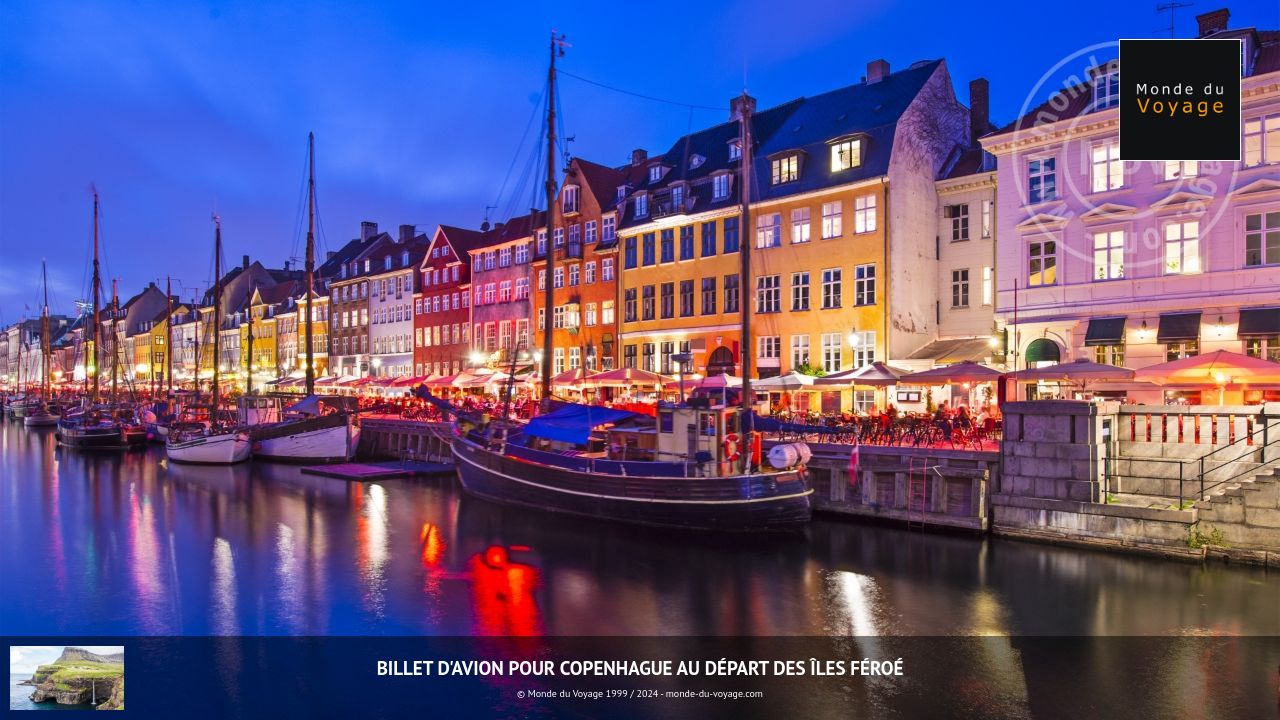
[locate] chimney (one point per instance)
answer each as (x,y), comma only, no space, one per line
(330,254)
(877,70)
(286,265)
(368,229)
(244,261)
(1213,22)
(638,156)
(484,226)
(406,233)
(979,109)
(738,103)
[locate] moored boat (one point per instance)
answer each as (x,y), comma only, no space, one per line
(41,416)
(315,429)
(199,445)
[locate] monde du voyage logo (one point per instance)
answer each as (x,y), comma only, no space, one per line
(1180,100)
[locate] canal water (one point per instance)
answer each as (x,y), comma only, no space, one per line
(127,544)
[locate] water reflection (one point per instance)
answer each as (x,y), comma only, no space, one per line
(129,544)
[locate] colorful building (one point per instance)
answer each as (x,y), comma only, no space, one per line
(1138,263)
(349,305)
(442,305)
(501,279)
(391,293)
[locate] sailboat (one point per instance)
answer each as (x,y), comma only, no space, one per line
(315,429)
(41,414)
(213,443)
(694,468)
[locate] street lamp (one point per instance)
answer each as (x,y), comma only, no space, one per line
(682,360)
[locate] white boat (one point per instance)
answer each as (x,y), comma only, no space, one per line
(40,416)
(323,439)
(208,447)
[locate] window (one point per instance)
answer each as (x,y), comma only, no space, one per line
(988,209)
(489,260)
(1267,348)
(575,239)
(629,252)
(1106,90)
(1108,255)
(1105,166)
(864,347)
(558,360)
(846,154)
(686,298)
(668,300)
(655,173)
(1262,239)
(668,245)
(959,217)
(646,362)
(831,286)
(864,400)
(785,169)
(629,356)
(1042,263)
(606,270)
(731,295)
(960,288)
(1179,169)
(647,302)
(768,346)
(589,317)
(800,225)
(569,202)
(799,291)
(735,150)
(607,229)
(988,285)
(864,285)
(1042,180)
(832,353)
(649,257)
(504,257)
(542,279)
(864,214)
(768,230)
(558,238)
(642,205)
(606,312)
(629,305)
(575,357)
(677,198)
(831,220)
(768,294)
(591,231)
(542,242)
(1262,140)
(720,186)
(730,235)
(666,350)
(504,291)
(1178,350)
(1182,248)
(575,274)
(709,296)
(799,351)
(589,274)
(1109,354)
(557,277)
(686,242)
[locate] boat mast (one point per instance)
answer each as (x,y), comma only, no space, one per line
(248,376)
(744,286)
(311,258)
(115,336)
(44,334)
(95,328)
(168,336)
(557,47)
(217,310)
(195,350)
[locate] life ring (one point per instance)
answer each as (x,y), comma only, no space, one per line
(731,446)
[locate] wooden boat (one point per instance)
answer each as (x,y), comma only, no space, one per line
(98,429)
(315,429)
(41,416)
(199,445)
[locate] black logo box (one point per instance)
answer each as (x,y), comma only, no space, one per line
(1191,65)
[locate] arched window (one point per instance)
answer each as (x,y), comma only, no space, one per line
(1043,350)
(721,361)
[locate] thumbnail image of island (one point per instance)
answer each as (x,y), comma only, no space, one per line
(53,677)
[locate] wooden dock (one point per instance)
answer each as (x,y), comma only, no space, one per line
(365,472)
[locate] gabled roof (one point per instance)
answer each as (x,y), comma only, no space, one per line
(602,181)
(461,240)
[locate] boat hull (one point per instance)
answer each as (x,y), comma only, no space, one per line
(318,440)
(766,501)
(92,438)
(225,449)
(40,420)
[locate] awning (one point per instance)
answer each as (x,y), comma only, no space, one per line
(1259,322)
(1177,327)
(954,350)
(1105,331)
(1043,350)
(573,423)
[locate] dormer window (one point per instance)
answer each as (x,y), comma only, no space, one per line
(695,161)
(735,150)
(404,259)
(386,263)
(368,264)
(785,169)
(622,193)
(677,198)
(655,173)
(642,205)
(846,154)
(720,186)
(569,202)
(1106,90)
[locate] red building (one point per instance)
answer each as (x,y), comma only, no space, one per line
(442,306)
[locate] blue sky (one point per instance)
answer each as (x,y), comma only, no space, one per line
(176,110)
(26,658)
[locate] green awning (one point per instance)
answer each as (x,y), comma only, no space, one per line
(1043,350)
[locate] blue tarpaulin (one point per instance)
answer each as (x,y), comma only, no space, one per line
(573,423)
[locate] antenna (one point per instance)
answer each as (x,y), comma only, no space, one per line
(1172,7)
